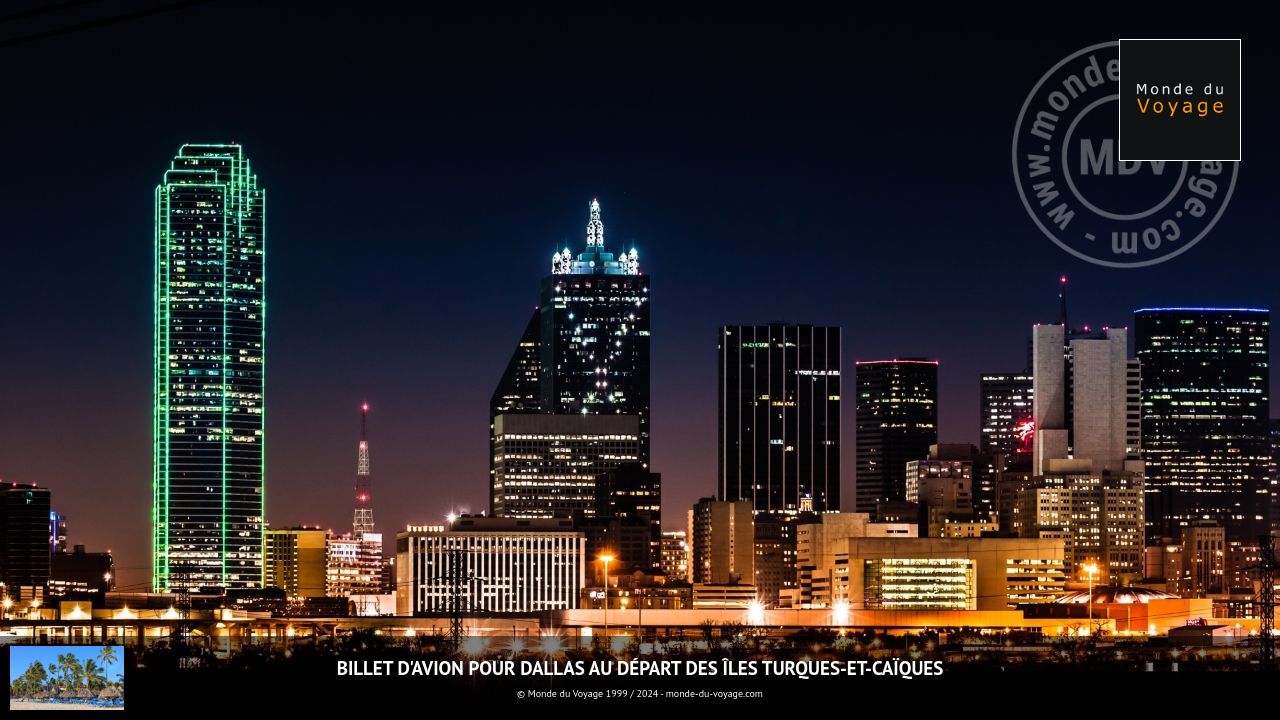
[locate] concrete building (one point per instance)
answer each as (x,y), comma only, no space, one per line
(1086,402)
(1204,555)
(945,574)
(675,555)
(723,542)
(510,565)
(775,553)
(944,488)
(295,560)
(1098,516)
(818,549)
(966,529)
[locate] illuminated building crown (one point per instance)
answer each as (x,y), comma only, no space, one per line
(594,260)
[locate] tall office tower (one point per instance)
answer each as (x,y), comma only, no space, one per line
(24,540)
(550,465)
(1085,398)
(296,561)
(363,519)
(589,346)
(1007,423)
(723,542)
(780,416)
(1007,433)
(897,421)
(1205,428)
(207,481)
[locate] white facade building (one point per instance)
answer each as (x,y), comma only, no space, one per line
(498,564)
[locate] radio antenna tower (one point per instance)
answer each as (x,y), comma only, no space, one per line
(363,521)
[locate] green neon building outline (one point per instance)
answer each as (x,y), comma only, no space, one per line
(222,169)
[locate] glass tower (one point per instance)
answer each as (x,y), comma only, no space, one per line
(780,416)
(207,502)
(897,421)
(1205,419)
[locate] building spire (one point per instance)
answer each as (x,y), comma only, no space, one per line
(595,228)
(363,519)
(1062,302)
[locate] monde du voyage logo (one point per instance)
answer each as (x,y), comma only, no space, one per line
(1077,190)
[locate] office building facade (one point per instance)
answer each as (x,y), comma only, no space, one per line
(1098,516)
(1205,425)
(207,483)
(951,574)
(511,565)
(550,465)
(296,561)
(1005,414)
(822,574)
(723,542)
(897,421)
(675,555)
(780,416)
(353,565)
(586,349)
(24,540)
(1086,402)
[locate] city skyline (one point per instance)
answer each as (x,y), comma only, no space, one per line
(377,294)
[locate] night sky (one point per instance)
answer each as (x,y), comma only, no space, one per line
(420,169)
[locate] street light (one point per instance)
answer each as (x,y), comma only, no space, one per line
(606,559)
(1090,569)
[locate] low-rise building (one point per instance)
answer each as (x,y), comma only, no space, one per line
(502,565)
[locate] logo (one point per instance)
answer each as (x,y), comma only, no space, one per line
(1082,196)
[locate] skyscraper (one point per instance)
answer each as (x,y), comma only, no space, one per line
(897,419)
(585,351)
(1007,424)
(1086,402)
(780,416)
(24,540)
(207,481)
(1205,403)
(594,341)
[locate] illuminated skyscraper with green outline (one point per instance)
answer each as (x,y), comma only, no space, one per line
(207,503)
